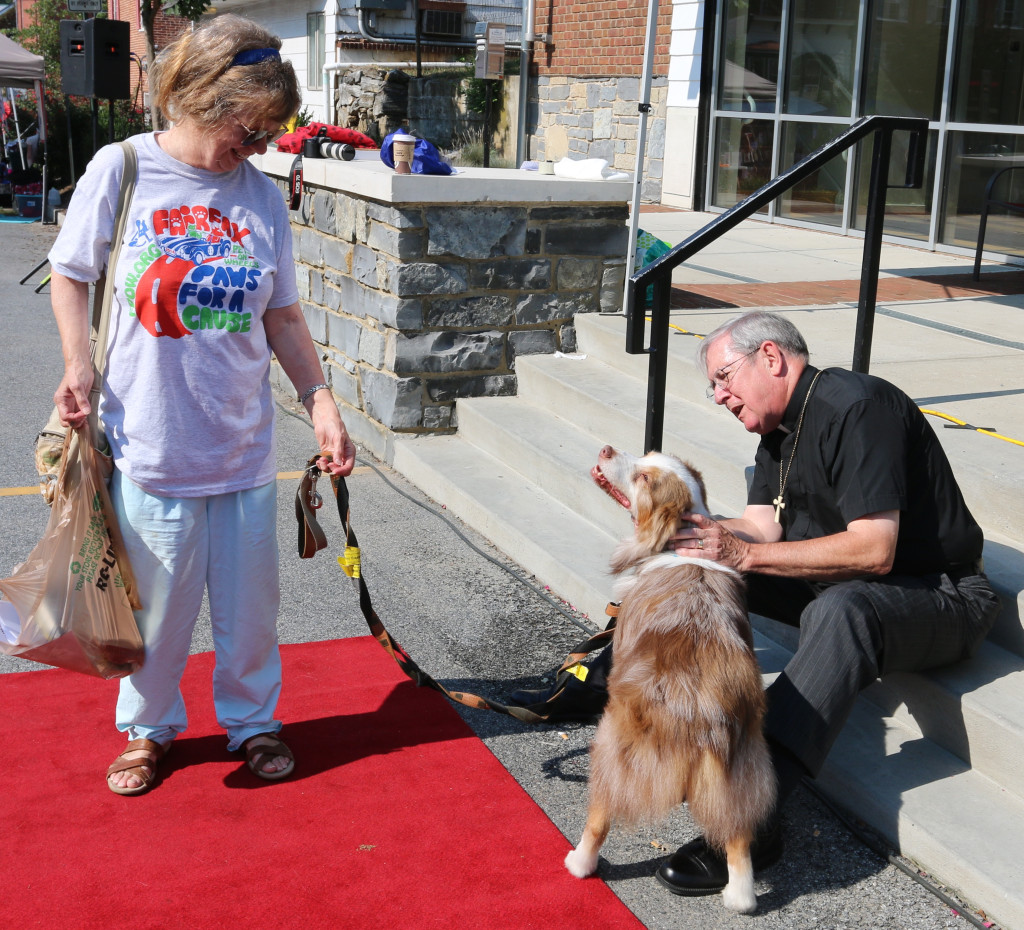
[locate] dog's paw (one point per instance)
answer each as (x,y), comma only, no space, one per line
(580,864)
(739,896)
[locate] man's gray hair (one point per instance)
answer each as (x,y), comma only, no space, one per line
(749,330)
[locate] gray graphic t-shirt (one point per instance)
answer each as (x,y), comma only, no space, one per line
(186,402)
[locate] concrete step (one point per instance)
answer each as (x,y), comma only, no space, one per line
(557,455)
(600,401)
(974,710)
(561,548)
(560,452)
(1004,564)
(958,824)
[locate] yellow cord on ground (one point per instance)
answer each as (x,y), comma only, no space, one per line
(680,329)
(977,429)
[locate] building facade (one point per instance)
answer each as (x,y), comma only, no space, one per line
(762,83)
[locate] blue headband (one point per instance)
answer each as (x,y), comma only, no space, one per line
(255,55)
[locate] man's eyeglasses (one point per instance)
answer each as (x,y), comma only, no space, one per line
(722,377)
(252,137)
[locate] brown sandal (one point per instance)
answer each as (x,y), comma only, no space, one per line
(143,767)
(265,746)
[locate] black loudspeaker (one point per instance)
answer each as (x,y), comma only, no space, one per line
(95,58)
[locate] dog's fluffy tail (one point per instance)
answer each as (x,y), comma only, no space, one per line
(641,781)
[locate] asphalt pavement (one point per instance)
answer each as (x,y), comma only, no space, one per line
(470,617)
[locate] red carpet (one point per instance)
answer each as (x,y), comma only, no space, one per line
(397,815)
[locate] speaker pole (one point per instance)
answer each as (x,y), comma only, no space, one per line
(71,147)
(95,125)
(110,121)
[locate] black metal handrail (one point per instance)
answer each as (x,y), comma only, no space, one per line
(659,273)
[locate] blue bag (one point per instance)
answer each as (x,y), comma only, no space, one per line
(426,159)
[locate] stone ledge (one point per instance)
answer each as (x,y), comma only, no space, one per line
(376,181)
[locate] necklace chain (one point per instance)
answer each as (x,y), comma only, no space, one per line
(779,502)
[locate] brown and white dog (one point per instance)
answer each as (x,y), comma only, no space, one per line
(685,699)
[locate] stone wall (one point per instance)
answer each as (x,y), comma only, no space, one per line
(598,118)
(377,101)
(418,304)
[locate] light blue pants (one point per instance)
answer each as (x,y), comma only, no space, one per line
(227,545)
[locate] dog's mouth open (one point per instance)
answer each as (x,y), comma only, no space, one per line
(613,492)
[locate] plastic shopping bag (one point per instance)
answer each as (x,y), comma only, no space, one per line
(70,603)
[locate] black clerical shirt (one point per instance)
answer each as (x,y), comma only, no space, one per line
(865,447)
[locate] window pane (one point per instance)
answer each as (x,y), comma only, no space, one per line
(315,50)
(750,55)
(990,75)
(906,58)
(744,159)
(822,48)
(819,198)
(974,158)
(907,210)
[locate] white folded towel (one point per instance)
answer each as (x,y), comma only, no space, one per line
(587,169)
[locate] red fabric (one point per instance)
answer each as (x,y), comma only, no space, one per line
(396,816)
(292,141)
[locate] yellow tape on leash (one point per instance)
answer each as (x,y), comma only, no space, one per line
(579,670)
(349,562)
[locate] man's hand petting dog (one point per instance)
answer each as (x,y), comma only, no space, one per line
(705,538)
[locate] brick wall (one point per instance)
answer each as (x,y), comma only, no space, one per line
(599,37)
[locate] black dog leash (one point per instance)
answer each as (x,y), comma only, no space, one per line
(312,539)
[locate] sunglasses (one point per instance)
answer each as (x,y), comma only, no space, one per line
(252,137)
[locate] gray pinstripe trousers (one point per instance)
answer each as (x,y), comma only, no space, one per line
(851,633)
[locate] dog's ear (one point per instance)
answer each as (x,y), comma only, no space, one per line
(661,496)
(643,500)
(659,527)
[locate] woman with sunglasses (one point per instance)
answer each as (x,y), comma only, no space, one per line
(205,295)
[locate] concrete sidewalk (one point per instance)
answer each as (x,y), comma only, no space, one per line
(757,252)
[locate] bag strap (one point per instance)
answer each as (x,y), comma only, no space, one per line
(103,297)
(312,540)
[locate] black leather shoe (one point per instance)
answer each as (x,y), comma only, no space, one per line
(697,869)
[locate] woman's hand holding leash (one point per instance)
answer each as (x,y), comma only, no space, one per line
(339,452)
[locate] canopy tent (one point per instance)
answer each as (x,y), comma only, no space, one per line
(23,70)
(19,67)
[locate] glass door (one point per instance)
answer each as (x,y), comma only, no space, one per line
(790,75)
(985,143)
